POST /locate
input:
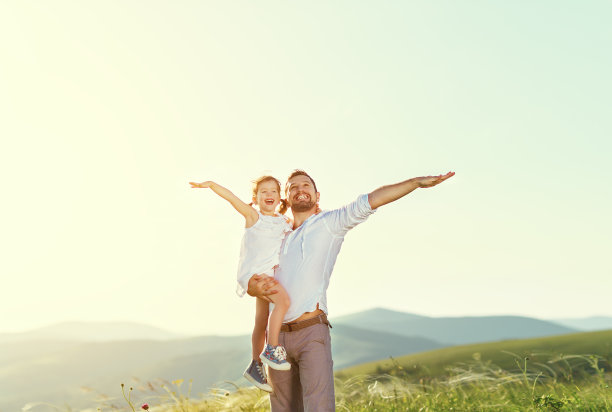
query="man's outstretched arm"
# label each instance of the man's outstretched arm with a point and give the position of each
(390, 193)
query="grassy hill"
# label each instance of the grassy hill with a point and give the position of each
(561, 373)
(503, 354)
(68, 372)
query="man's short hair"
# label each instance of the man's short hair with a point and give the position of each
(299, 172)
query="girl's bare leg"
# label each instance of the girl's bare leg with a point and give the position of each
(281, 306)
(258, 338)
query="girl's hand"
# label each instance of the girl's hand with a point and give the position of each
(202, 185)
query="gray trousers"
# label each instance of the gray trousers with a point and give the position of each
(309, 385)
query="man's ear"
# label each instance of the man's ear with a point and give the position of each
(318, 196)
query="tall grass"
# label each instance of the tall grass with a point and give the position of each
(540, 382)
(572, 383)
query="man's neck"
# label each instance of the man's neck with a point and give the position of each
(300, 217)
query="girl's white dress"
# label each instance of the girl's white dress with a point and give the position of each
(260, 249)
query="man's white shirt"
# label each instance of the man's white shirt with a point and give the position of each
(308, 255)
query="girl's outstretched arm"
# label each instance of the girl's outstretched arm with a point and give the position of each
(249, 213)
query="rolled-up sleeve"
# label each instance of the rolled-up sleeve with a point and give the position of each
(340, 221)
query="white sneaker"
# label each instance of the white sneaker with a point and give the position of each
(256, 374)
(275, 357)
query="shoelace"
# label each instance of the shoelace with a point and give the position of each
(261, 371)
(280, 353)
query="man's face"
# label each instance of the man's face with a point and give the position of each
(301, 195)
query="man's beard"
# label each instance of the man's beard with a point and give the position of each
(303, 206)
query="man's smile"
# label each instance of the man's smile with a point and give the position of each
(302, 197)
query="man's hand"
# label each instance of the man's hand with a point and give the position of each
(260, 286)
(430, 181)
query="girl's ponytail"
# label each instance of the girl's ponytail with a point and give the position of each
(282, 209)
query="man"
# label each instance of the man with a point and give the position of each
(307, 258)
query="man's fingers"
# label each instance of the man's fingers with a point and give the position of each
(439, 179)
(269, 284)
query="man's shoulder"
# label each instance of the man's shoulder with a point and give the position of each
(324, 217)
(357, 202)
(318, 216)
(325, 214)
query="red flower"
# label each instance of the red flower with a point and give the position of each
(145, 406)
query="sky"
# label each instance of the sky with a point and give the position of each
(109, 108)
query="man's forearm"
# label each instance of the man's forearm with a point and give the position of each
(390, 193)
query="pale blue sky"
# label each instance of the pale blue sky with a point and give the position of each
(109, 108)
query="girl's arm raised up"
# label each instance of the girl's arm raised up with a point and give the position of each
(249, 213)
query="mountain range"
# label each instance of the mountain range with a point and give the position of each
(77, 363)
(457, 330)
(91, 332)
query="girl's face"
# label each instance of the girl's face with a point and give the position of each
(268, 197)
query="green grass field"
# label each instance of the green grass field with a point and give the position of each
(503, 354)
(561, 373)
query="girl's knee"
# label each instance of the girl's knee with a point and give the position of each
(283, 300)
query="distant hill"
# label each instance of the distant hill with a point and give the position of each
(352, 345)
(91, 332)
(451, 330)
(379, 316)
(590, 323)
(54, 371)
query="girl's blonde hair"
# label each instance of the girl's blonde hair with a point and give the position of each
(283, 203)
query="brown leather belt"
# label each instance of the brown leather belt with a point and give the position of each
(293, 326)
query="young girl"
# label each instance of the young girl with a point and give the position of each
(264, 232)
